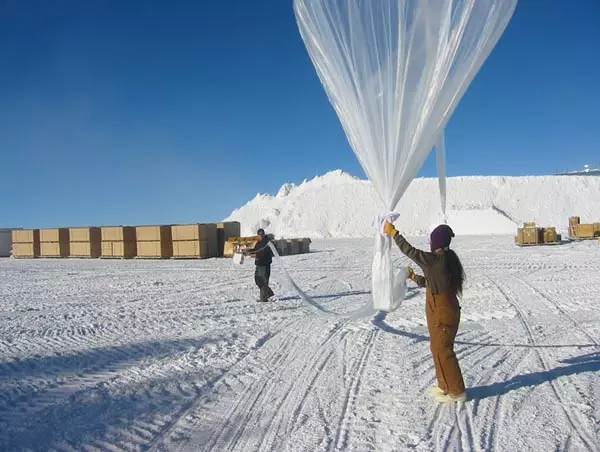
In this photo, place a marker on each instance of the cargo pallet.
(561, 242)
(582, 239)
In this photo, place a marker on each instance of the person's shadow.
(580, 364)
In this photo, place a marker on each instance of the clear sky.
(143, 112)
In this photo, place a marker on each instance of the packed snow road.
(177, 355)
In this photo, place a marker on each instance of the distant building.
(586, 171)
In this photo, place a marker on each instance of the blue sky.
(150, 112)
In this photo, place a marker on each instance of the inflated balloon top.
(394, 71)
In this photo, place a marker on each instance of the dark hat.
(441, 237)
(260, 231)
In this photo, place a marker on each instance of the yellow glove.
(389, 229)
(411, 273)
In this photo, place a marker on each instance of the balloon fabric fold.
(395, 71)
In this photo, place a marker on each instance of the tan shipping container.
(26, 250)
(85, 249)
(574, 220)
(26, 236)
(54, 249)
(91, 234)
(596, 228)
(118, 249)
(54, 235)
(118, 234)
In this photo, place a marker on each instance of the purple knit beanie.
(441, 237)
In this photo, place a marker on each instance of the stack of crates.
(530, 235)
(118, 242)
(85, 242)
(26, 243)
(54, 242)
(154, 242)
(195, 241)
(580, 231)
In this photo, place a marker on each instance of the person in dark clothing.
(444, 277)
(263, 259)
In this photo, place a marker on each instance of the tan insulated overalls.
(443, 315)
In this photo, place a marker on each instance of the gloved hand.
(389, 229)
(411, 273)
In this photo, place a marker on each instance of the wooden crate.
(584, 231)
(118, 234)
(54, 249)
(118, 249)
(191, 249)
(54, 235)
(550, 235)
(86, 249)
(153, 233)
(26, 250)
(531, 236)
(282, 246)
(294, 246)
(91, 234)
(160, 249)
(26, 236)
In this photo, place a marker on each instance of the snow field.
(177, 355)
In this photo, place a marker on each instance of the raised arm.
(421, 258)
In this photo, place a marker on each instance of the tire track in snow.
(254, 396)
(315, 366)
(296, 395)
(577, 423)
(342, 431)
(557, 306)
(184, 419)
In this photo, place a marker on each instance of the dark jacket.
(437, 277)
(263, 253)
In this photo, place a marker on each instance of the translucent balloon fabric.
(394, 71)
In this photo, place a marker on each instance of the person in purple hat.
(444, 278)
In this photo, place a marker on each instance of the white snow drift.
(338, 205)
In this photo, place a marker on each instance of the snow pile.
(339, 205)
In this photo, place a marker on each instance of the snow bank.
(339, 205)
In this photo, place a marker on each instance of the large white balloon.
(394, 71)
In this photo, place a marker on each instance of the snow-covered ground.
(341, 206)
(177, 355)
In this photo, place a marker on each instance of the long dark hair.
(456, 272)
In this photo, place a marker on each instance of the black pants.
(261, 277)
